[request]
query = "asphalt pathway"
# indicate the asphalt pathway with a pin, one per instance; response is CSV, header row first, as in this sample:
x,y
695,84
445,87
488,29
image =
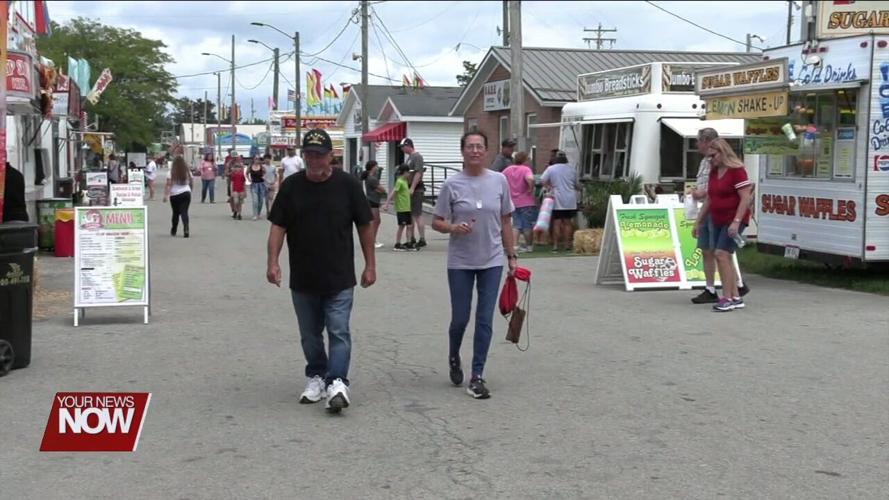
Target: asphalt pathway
x,y
621,395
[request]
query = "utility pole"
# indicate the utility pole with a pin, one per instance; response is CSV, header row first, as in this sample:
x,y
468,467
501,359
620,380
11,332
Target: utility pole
x,y
749,44
808,21
275,84
204,139
516,92
599,39
506,23
190,120
252,111
789,19
364,90
231,112
218,115
297,98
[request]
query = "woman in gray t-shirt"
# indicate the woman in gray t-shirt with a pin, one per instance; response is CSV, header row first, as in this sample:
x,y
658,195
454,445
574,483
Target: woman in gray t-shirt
x,y
474,207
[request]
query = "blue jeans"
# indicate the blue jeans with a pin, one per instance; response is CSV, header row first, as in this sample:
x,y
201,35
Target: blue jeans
x,y
314,312
460,283
208,185
259,191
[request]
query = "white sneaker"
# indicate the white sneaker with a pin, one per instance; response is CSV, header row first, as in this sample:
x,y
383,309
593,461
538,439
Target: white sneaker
x,y
315,390
337,396
378,245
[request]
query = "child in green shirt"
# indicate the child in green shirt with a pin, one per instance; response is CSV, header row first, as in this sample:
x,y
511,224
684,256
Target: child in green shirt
x,y
402,195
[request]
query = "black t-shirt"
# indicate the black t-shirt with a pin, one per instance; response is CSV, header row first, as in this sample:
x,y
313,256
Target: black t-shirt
x,y
318,218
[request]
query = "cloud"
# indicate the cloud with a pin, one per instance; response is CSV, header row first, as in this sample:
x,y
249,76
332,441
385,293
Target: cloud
x,y
428,33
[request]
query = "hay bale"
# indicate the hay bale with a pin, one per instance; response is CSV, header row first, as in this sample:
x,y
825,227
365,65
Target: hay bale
x,y
588,241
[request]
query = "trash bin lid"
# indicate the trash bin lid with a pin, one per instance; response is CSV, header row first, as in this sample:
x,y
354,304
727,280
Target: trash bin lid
x,y
64,214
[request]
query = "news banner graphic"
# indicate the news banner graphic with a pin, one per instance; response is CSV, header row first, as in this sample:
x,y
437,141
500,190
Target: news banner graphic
x,y
95,421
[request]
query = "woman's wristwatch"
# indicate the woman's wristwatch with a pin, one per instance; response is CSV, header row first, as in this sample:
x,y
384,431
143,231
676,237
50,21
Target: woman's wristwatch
x,y
512,256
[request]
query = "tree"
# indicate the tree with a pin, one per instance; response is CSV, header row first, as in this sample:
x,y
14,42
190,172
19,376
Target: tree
x,y
133,106
469,70
185,110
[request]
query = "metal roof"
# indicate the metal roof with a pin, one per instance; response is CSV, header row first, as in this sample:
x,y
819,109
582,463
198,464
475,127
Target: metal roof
x,y
551,73
428,101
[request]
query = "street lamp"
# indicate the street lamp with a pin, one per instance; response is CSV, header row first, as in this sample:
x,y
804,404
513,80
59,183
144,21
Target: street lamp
x,y
296,97
750,37
457,47
231,111
275,86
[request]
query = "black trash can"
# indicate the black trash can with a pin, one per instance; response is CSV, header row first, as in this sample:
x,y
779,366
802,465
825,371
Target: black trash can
x,y
18,245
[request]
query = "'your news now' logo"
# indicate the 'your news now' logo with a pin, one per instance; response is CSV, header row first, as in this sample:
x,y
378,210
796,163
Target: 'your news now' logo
x,y
95,421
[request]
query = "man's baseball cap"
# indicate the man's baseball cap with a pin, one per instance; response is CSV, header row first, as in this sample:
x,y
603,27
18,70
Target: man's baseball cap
x,y
406,142
317,141
508,143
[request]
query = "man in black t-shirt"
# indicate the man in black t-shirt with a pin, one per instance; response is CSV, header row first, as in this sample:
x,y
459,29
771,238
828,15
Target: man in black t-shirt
x,y
315,209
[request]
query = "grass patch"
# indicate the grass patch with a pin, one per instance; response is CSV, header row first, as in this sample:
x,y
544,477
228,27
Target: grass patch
x,y
813,273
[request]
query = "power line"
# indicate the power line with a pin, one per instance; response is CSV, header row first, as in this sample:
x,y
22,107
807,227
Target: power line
x,y
267,73
337,37
229,69
380,44
708,30
347,54
395,44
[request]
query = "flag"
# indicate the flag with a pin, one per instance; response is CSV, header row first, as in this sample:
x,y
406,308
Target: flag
x,y
333,92
418,81
346,89
405,81
319,92
310,88
42,21
272,104
291,95
328,94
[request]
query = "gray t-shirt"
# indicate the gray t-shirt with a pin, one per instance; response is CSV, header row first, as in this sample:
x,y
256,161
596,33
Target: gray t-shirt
x,y
500,163
415,163
563,178
371,183
480,201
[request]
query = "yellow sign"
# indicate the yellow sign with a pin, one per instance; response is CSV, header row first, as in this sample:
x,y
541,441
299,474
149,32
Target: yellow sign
x,y
748,106
748,78
852,18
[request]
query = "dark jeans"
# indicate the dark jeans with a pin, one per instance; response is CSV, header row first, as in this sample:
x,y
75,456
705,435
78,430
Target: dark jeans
x,y
180,203
314,312
208,185
460,283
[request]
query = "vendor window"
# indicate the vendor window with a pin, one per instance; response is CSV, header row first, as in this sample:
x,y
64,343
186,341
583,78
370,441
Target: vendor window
x,y
680,159
816,141
504,131
606,150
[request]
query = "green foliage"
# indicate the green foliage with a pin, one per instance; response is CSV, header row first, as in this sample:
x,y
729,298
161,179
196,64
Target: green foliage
x,y
596,195
186,110
469,70
134,104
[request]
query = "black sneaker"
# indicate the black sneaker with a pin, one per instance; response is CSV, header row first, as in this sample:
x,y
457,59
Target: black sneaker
x,y
456,371
421,243
399,247
743,290
477,389
411,247
706,297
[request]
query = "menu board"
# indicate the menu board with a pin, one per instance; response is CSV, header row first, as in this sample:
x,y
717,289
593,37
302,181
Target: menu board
x,y
110,257
844,151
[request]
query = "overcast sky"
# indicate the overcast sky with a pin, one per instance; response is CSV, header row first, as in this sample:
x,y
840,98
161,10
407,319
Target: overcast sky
x,y
434,36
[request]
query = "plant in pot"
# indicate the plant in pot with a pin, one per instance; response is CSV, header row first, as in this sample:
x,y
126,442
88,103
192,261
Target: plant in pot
x,y
595,209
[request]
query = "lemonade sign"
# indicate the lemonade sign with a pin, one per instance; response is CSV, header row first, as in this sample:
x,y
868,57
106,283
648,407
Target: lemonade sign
x,y
647,246
650,246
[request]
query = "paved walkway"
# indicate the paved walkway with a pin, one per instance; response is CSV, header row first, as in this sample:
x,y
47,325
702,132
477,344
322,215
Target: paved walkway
x,y
622,395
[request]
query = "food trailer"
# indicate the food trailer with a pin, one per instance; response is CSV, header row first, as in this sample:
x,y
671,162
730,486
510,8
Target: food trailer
x,y
641,119
823,182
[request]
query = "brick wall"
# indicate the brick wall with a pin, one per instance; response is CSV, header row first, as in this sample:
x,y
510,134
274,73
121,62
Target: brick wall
x,y
489,122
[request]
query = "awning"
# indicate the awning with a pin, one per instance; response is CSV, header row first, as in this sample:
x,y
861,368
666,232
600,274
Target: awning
x,y
589,121
689,127
394,131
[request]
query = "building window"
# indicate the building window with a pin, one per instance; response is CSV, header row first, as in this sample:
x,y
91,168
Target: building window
x,y
472,124
679,155
504,129
824,125
606,150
